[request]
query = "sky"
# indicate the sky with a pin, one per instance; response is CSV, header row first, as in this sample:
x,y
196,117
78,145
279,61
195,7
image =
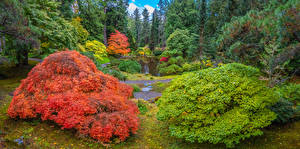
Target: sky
x,y
141,4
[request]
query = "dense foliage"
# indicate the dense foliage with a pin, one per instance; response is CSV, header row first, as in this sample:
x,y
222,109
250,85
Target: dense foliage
x,y
98,49
130,66
288,107
16,37
68,89
118,43
179,43
218,105
268,39
54,31
82,33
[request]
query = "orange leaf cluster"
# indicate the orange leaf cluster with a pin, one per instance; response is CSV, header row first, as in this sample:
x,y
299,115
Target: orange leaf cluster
x,y
118,43
68,89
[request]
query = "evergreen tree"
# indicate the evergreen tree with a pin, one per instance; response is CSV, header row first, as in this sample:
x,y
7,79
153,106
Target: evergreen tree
x,y
202,20
154,31
14,28
137,24
162,22
116,16
181,15
66,8
145,28
92,16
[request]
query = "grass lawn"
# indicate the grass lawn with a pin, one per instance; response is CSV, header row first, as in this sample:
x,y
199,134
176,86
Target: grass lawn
x,y
140,76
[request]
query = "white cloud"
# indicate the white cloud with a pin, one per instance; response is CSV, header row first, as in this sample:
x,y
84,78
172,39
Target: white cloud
x,y
133,0
131,8
149,8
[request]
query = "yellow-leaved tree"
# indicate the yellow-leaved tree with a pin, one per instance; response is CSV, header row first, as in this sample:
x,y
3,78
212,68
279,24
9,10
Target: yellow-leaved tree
x,y
97,48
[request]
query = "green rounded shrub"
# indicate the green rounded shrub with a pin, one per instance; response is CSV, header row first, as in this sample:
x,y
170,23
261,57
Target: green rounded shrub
x,y
172,69
187,67
217,105
130,66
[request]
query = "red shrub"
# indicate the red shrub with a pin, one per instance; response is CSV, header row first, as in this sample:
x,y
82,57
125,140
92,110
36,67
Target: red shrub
x,y
118,43
68,89
164,59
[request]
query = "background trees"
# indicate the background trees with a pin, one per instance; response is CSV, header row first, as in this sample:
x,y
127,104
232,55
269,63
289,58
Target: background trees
x,y
16,35
223,30
145,38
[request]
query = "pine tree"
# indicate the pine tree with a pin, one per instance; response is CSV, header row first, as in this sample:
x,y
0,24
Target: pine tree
x,y
66,8
181,15
116,15
202,20
15,29
154,31
162,21
137,24
92,15
145,28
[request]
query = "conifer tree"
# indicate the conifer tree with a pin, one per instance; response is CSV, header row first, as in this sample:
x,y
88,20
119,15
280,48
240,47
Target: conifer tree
x,y
145,28
137,24
154,31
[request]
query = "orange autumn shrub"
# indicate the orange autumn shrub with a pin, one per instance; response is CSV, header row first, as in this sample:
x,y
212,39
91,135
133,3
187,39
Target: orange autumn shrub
x,y
68,89
118,43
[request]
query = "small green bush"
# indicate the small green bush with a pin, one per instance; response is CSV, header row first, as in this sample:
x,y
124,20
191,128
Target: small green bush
x,y
142,107
157,52
130,66
290,92
173,66
112,72
286,108
172,69
135,88
217,105
187,67
115,62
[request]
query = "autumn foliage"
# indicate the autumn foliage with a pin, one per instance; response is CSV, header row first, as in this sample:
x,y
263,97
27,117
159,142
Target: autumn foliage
x,y
118,43
68,89
164,59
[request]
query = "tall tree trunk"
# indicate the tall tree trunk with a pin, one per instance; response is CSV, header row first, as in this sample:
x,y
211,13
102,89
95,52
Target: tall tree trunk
x,y
201,41
104,28
22,56
2,44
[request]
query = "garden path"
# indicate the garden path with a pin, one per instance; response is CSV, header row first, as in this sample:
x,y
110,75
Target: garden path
x,y
146,92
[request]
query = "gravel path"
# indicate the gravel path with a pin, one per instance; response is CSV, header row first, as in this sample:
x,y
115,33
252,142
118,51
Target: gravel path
x,y
35,59
146,95
145,81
